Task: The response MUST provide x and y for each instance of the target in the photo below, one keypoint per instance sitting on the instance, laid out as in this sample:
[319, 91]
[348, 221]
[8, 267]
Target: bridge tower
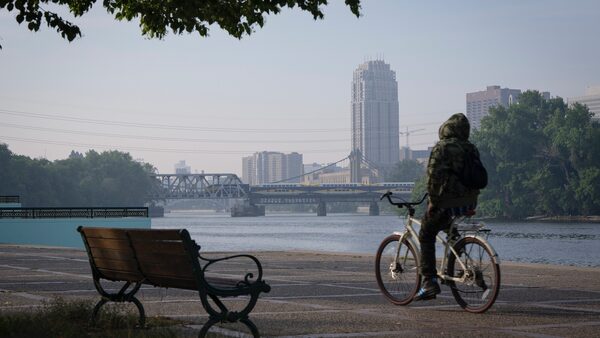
[355, 161]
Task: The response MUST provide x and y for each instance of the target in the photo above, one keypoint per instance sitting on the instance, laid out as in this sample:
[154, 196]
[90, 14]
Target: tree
[542, 158]
[406, 171]
[237, 17]
[106, 179]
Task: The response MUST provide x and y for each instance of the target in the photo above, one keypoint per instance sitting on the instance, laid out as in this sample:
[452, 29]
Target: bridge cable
[308, 173]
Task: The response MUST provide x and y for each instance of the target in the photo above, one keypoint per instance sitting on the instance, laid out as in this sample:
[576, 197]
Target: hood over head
[457, 126]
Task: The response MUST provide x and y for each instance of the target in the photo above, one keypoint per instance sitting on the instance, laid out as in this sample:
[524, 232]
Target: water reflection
[548, 243]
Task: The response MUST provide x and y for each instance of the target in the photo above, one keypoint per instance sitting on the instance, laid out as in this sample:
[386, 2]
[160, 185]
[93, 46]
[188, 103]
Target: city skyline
[213, 100]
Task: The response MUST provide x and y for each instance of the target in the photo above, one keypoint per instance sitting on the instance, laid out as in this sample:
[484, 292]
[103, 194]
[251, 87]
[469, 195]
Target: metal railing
[30, 213]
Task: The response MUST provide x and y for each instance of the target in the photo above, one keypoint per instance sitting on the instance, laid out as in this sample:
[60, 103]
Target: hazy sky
[211, 101]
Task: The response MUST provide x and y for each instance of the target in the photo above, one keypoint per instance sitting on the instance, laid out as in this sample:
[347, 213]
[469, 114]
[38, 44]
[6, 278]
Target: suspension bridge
[366, 186]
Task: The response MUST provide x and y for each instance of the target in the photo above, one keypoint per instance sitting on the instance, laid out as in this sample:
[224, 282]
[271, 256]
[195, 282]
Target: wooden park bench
[168, 259]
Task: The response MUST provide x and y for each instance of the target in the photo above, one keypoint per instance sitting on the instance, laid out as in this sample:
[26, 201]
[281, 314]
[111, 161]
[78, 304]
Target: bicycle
[472, 266]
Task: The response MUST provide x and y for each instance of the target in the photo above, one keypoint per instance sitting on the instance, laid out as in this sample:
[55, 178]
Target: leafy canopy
[543, 158]
[406, 171]
[110, 178]
[237, 17]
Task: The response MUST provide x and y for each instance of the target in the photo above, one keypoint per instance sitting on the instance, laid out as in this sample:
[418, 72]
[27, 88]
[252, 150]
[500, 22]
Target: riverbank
[316, 294]
[569, 219]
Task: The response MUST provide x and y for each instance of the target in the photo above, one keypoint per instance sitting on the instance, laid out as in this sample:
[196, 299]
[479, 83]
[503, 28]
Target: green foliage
[60, 318]
[108, 179]
[236, 17]
[406, 171]
[418, 191]
[542, 158]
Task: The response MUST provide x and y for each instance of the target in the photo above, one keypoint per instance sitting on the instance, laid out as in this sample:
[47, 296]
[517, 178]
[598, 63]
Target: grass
[66, 319]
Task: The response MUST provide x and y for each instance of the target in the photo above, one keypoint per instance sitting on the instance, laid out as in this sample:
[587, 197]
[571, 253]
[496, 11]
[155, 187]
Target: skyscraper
[375, 120]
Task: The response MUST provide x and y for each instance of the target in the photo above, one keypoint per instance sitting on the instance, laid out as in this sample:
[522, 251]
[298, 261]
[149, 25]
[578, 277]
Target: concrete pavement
[331, 295]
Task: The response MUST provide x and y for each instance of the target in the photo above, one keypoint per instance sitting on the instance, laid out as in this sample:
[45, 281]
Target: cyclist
[448, 197]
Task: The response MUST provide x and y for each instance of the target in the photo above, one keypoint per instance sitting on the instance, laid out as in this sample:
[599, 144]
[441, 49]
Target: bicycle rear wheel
[480, 288]
[396, 270]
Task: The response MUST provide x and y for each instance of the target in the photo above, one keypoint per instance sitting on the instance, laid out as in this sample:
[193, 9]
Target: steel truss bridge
[229, 186]
[199, 186]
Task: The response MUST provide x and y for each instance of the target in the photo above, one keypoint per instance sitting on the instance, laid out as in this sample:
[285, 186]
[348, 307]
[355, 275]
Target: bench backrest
[110, 254]
[166, 258]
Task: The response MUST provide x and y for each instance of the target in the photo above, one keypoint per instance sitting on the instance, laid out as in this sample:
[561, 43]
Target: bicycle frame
[410, 234]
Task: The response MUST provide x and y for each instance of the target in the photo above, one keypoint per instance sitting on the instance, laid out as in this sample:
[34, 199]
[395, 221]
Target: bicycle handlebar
[401, 204]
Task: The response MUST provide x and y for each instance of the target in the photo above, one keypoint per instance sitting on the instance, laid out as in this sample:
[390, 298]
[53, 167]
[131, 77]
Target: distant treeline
[542, 157]
[110, 178]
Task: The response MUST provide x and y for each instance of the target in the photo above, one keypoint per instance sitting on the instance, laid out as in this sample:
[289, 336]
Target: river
[548, 243]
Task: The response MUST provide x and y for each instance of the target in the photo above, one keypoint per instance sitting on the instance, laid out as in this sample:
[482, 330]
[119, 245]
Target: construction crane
[407, 133]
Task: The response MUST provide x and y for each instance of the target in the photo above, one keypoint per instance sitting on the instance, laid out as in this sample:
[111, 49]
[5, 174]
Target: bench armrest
[248, 275]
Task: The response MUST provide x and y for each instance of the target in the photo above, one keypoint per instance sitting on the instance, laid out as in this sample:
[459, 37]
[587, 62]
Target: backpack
[473, 175]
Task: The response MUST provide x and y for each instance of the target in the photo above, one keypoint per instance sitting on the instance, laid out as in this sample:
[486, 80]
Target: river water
[549, 243]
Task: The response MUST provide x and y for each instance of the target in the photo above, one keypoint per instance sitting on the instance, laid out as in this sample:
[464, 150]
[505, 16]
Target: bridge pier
[322, 209]
[247, 210]
[373, 209]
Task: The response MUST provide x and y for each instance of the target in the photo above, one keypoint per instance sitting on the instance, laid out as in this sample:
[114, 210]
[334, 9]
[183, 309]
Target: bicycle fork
[399, 263]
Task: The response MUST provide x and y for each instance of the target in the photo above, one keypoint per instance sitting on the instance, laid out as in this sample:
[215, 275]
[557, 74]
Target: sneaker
[429, 290]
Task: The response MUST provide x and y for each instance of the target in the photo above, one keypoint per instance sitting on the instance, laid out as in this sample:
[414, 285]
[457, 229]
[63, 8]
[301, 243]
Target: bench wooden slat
[112, 254]
[159, 247]
[150, 257]
[129, 265]
[116, 275]
[180, 269]
[113, 233]
[171, 282]
[155, 234]
[115, 244]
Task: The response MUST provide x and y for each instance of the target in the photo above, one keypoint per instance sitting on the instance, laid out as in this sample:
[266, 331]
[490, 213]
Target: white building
[268, 167]
[591, 99]
[375, 117]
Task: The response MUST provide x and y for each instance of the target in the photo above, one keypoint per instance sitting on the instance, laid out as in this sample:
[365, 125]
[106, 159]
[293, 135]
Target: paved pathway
[333, 295]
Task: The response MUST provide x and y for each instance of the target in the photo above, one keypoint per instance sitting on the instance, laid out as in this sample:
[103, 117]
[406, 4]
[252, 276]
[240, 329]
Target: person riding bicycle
[448, 197]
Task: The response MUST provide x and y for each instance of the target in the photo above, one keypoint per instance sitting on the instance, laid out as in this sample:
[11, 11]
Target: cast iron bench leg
[119, 297]
[212, 321]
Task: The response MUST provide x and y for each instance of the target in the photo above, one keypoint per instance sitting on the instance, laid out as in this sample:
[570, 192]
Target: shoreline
[312, 253]
[539, 218]
[543, 219]
[575, 219]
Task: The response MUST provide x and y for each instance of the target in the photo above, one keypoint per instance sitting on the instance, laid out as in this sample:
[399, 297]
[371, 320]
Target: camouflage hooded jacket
[446, 160]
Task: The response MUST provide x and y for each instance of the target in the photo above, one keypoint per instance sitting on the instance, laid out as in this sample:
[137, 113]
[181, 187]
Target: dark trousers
[432, 223]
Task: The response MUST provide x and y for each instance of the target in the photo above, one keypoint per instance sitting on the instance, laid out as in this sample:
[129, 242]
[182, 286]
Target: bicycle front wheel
[481, 275]
[396, 270]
